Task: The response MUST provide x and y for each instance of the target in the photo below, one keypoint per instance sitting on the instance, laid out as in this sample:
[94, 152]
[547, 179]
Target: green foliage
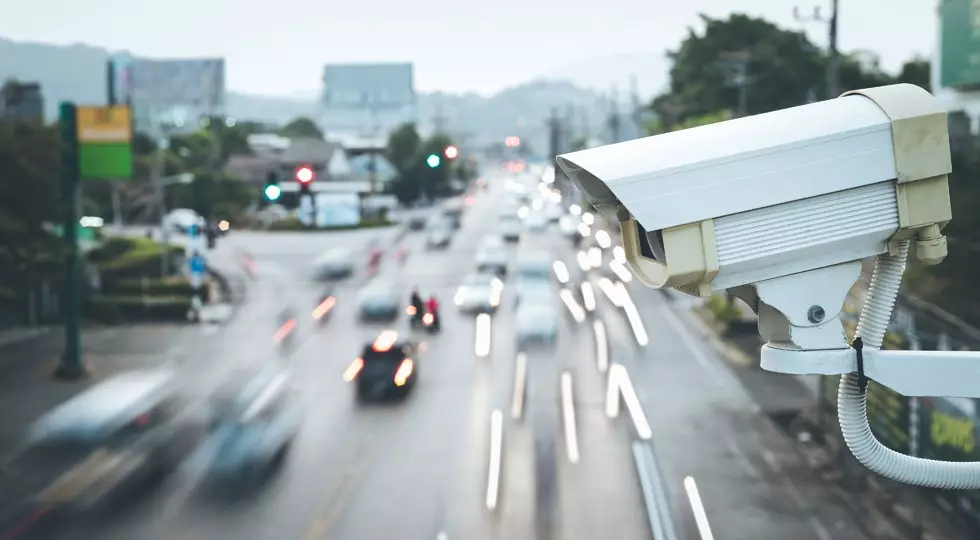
[784, 70]
[408, 152]
[30, 196]
[212, 196]
[114, 309]
[301, 128]
[131, 258]
[294, 224]
[723, 310]
[174, 286]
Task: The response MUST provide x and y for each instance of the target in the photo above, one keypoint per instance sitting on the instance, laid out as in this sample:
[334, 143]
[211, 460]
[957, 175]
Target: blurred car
[536, 323]
[510, 230]
[439, 236]
[379, 302]
[336, 263]
[386, 368]
[180, 220]
[553, 212]
[479, 293]
[536, 223]
[255, 416]
[492, 257]
[103, 446]
[533, 277]
[416, 222]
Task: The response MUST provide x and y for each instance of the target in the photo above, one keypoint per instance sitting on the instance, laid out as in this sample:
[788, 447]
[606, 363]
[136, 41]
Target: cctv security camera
[750, 205]
[737, 202]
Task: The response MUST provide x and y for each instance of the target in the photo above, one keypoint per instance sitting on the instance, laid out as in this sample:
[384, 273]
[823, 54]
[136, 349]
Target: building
[367, 100]
[956, 66]
[21, 101]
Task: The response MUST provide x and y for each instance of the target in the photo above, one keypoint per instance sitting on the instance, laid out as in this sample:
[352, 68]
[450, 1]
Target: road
[495, 445]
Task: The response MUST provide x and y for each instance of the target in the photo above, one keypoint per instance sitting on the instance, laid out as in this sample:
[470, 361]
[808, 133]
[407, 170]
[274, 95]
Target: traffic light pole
[71, 366]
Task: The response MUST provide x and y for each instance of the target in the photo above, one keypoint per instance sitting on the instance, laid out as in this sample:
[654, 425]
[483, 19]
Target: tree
[30, 198]
[784, 69]
[918, 72]
[301, 128]
[403, 147]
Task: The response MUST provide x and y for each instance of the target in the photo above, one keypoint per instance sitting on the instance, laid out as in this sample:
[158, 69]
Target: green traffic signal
[433, 161]
[272, 192]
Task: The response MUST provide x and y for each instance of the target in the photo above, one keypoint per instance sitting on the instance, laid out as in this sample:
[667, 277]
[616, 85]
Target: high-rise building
[367, 100]
[21, 101]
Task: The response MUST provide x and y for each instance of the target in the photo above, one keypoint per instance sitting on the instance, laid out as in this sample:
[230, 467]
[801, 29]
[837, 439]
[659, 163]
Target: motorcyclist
[416, 302]
[432, 306]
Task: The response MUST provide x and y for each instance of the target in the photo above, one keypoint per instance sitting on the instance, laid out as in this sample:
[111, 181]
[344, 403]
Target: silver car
[337, 263]
[379, 302]
[100, 447]
[479, 293]
[255, 417]
[536, 323]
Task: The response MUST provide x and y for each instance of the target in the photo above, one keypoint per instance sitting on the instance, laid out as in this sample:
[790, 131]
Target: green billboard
[959, 43]
[104, 136]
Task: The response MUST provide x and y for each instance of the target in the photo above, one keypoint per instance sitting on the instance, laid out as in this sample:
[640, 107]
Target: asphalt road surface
[494, 444]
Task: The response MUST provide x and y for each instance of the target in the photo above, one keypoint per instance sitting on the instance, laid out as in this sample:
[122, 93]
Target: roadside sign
[198, 264]
[104, 136]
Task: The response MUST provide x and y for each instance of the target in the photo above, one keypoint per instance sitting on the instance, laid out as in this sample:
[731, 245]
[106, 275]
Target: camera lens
[652, 245]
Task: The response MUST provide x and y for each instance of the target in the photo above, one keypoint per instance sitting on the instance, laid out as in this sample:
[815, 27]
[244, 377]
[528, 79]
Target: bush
[113, 309]
[294, 224]
[129, 258]
[723, 310]
[169, 286]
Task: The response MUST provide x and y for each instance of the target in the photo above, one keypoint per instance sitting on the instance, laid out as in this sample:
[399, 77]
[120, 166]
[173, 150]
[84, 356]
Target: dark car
[416, 222]
[379, 302]
[386, 368]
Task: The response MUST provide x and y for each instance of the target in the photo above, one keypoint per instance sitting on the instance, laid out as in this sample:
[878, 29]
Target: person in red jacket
[432, 306]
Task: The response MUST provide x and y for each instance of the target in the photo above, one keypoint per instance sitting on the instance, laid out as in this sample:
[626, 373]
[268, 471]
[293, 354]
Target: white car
[337, 263]
[536, 223]
[492, 261]
[536, 323]
[479, 293]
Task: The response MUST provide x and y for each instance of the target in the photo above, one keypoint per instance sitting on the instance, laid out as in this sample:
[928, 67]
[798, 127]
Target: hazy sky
[279, 46]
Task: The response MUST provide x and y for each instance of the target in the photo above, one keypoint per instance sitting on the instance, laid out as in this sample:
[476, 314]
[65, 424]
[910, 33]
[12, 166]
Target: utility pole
[614, 120]
[71, 366]
[833, 56]
[739, 62]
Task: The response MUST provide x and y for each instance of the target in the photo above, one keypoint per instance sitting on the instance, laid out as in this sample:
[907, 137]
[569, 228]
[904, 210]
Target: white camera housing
[747, 200]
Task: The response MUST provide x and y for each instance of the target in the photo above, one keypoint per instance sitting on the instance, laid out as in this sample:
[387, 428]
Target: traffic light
[272, 190]
[452, 152]
[305, 177]
[433, 161]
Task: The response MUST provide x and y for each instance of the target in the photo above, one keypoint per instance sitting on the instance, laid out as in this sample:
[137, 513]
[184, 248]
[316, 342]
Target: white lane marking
[588, 296]
[601, 346]
[561, 272]
[496, 441]
[482, 342]
[612, 391]
[568, 414]
[700, 516]
[573, 307]
[442, 536]
[743, 460]
[771, 461]
[520, 377]
[633, 315]
[692, 344]
[607, 288]
[643, 430]
[654, 494]
[818, 527]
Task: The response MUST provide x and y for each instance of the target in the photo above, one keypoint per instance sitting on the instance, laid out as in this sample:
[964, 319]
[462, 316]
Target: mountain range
[577, 92]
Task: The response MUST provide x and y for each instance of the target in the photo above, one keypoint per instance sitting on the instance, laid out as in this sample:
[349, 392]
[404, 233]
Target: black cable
[858, 345]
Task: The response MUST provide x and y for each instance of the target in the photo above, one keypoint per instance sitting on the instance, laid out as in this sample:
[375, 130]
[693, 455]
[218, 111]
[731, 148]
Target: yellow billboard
[104, 124]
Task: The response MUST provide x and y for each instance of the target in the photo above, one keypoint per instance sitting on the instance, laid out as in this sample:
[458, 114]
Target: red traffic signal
[305, 175]
[452, 152]
[512, 141]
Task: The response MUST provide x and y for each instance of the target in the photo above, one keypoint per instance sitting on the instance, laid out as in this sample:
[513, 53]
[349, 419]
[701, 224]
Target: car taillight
[404, 372]
[354, 369]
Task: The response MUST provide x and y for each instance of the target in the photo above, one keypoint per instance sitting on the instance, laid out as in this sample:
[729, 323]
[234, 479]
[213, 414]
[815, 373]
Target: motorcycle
[423, 320]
